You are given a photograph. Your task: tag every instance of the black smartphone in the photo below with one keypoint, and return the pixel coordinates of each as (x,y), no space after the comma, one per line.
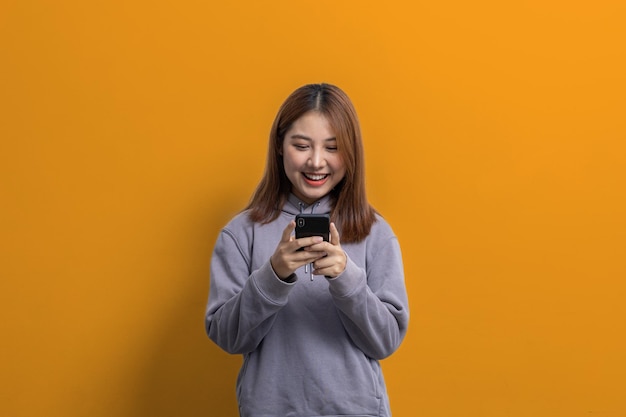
(308,225)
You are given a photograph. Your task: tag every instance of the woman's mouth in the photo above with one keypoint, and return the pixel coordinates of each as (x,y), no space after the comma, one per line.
(315,179)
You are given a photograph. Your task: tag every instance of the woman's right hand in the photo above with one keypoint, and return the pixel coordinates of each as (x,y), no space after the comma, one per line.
(287,258)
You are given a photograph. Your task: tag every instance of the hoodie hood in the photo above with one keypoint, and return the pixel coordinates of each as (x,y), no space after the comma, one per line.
(295,206)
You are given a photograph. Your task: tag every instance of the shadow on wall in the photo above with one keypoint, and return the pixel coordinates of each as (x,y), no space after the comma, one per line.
(186,374)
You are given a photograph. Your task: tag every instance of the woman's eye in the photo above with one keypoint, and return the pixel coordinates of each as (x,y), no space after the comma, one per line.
(301,147)
(332,148)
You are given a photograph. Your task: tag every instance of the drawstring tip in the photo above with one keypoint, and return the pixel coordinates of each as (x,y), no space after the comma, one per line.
(306,269)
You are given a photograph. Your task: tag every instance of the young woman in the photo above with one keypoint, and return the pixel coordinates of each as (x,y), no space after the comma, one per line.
(311,324)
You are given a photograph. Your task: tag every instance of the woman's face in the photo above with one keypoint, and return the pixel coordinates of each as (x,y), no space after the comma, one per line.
(310,157)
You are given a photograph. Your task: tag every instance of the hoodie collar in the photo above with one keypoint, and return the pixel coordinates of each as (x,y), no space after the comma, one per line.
(295,206)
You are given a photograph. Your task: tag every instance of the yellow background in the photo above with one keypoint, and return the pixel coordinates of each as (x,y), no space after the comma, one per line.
(131,131)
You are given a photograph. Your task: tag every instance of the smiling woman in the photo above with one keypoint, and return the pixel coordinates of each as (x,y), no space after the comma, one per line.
(310,103)
(310,347)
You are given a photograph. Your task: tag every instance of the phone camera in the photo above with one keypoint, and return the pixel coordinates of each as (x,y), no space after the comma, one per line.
(300,222)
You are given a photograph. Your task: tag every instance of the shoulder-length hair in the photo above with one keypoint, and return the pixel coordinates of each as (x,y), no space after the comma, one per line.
(350,209)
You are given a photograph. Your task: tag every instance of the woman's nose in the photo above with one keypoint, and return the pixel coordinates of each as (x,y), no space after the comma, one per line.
(316,160)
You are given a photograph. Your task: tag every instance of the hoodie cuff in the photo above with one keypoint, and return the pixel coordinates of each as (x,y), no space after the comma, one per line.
(346,283)
(272,287)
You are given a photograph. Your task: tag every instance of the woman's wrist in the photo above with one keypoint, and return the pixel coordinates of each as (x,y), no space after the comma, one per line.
(282,275)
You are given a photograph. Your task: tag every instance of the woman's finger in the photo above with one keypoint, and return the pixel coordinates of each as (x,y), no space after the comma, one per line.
(334,234)
(286,237)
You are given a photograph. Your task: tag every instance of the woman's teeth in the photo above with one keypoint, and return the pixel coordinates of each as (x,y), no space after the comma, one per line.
(316,177)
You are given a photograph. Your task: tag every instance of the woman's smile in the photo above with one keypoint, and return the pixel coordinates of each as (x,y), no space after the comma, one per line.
(315,179)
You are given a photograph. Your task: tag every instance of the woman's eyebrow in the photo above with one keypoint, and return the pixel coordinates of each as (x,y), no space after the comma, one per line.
(299,136)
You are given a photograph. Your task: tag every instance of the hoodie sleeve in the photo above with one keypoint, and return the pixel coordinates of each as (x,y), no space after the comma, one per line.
(242,304)
(373,303)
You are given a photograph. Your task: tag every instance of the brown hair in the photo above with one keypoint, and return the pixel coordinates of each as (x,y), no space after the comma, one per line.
(351,211)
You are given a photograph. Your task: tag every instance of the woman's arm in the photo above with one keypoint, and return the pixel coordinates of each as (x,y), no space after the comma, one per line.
(242,304)
(373,304)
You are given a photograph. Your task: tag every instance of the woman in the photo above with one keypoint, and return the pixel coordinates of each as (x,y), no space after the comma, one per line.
(311,324)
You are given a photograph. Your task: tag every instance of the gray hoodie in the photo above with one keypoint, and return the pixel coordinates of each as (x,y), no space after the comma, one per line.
(310,347)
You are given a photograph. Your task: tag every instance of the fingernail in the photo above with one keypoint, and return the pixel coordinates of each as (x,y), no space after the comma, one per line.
(317,239)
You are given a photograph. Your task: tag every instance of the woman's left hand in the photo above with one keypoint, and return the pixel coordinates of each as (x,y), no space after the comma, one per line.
(334,263)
